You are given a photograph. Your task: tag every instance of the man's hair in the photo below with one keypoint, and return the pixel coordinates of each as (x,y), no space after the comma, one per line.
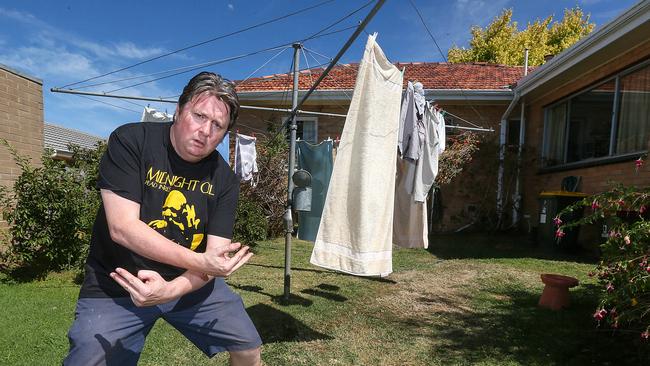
(217,86)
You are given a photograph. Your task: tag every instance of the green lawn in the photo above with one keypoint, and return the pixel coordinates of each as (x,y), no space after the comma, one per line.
(470,300)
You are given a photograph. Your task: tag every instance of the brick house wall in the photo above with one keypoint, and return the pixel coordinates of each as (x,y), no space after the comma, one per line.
(21,121)
(595,179)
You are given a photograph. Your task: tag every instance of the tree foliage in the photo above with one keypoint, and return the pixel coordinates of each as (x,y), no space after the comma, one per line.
(501,42)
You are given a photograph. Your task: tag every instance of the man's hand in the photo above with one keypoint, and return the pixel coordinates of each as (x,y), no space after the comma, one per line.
(148,289)
(218,259)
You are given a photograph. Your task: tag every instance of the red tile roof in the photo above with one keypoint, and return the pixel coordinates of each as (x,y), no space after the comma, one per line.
(433,75)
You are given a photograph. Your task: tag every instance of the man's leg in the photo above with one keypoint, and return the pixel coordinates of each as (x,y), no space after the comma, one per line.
(108,332)
(215,320)
(249,357)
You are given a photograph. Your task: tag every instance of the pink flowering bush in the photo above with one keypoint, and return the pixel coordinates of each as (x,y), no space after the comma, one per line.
(624,268)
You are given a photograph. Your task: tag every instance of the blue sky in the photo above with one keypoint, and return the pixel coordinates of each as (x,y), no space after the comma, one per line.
(63,42)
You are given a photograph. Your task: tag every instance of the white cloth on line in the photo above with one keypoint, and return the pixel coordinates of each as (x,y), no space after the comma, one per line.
(411,129)
(152,115)
(245,157)
(410,229)
(355,232)
(423,173)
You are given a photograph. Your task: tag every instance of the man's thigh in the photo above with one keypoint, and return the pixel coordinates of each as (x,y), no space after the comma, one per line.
(214,319)
(109,331)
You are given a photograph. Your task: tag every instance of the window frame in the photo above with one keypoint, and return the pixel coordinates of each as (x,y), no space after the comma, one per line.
(304,119)
(612,157)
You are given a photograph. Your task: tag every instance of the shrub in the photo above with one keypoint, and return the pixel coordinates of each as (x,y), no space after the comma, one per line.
(624,269)
(269,194)
(50,211)
(250,223)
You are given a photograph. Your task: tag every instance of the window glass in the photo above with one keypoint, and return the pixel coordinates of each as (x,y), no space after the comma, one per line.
(590,123)
(555,134)
(634,113)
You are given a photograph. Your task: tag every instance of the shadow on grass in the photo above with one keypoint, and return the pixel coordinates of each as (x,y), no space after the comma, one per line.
(275,326)
(510,326)
(490,245)
(292,300)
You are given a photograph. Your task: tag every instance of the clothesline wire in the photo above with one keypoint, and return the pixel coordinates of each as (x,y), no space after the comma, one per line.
(212,63)
(190,68)
(205,42)
(264,64)
(311,81)
(441,53)
(110,104)
(208,63)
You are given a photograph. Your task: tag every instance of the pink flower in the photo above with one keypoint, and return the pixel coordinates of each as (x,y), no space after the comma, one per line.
(557,221)
(645,335)
(648,269)
(600,314)
(559,234)
(595,205)
(638,162)
(613,313)
(610,287)
(620,203)
(627,240)
(642,209)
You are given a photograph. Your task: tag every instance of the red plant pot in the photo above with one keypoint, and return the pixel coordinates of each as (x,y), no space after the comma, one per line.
(556,292)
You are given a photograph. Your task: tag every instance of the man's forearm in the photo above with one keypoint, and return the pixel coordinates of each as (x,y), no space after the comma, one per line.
(190,281)
(147,242)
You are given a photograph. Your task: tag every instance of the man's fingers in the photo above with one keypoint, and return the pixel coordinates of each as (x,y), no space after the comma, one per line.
(241,262)
(130,282)
(225,249)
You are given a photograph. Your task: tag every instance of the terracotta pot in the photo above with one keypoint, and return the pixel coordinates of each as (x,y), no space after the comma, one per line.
(556,292)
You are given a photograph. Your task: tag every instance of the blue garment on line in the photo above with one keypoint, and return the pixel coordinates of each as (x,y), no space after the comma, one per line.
(317,160)
(224,148)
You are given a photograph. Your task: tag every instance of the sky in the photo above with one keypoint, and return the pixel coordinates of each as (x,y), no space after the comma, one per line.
(68,41)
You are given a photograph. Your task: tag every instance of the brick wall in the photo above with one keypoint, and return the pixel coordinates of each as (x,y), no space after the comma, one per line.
(594,179)
(21,121)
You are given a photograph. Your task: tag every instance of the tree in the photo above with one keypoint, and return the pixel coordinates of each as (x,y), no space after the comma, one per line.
(502,43)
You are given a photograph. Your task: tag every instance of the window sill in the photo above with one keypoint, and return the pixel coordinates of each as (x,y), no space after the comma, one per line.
(591,162)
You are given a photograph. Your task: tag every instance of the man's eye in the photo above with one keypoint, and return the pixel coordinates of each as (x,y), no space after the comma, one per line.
(200,116)
(216,125)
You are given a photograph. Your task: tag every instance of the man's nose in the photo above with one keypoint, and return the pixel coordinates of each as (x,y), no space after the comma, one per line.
(206,128)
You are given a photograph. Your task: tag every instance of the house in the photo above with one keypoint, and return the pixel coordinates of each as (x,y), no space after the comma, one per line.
(477,92)
(21,120)
(587,113)
(58,139)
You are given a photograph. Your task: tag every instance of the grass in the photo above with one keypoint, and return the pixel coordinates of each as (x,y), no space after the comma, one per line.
(470,300)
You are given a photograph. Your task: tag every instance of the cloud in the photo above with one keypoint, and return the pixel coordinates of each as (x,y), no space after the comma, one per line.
(231,7)
(116,50)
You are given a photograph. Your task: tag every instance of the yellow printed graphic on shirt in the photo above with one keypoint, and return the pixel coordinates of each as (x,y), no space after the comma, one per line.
(179,220)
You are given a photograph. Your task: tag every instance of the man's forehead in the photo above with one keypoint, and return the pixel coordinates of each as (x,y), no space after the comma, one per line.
(200,99)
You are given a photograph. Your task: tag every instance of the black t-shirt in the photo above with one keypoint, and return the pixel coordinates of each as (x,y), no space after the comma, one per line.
(183,201)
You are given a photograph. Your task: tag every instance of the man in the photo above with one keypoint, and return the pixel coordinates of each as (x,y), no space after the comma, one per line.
(161,242)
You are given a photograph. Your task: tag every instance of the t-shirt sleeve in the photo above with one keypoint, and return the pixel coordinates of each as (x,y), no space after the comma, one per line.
(119,168)
(222,212)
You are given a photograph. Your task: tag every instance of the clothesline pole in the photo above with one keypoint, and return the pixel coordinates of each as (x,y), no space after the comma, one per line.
(288,222)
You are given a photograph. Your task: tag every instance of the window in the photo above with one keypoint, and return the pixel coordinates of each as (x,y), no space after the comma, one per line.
(610,119)
(307,129)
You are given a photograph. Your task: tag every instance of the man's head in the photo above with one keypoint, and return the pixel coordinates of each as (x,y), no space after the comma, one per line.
(206,110)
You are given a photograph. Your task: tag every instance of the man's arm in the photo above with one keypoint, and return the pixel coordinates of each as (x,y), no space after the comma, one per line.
(125,228)
(149,288)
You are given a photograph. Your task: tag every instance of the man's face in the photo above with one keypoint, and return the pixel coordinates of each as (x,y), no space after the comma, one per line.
(199,127)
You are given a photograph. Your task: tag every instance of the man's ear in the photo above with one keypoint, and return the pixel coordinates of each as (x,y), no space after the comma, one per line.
(175,114)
